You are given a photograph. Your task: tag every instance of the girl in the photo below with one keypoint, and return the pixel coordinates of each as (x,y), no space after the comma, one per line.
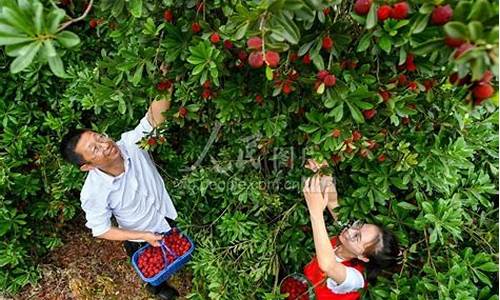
(345,263)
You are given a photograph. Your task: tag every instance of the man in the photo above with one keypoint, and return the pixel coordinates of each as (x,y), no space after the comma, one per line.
(123,182)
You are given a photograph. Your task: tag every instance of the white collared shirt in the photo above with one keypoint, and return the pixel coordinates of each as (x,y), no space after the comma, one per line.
(354,280)
(137,198)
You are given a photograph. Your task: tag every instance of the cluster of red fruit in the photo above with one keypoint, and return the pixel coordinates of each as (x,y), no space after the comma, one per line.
(151,261)
(93,23)
(159,140)
(398,11)
(324,77)
(294,288)
(207,90)
(257,58)
(286,85)
(481,89)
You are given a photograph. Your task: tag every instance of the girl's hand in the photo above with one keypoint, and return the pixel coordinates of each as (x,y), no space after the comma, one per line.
(314,166)
(329,191)
(316,201)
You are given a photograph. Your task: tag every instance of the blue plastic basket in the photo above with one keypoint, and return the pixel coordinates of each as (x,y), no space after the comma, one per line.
(170,269)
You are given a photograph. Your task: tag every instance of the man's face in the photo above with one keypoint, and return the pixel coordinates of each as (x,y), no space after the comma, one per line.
(97,150)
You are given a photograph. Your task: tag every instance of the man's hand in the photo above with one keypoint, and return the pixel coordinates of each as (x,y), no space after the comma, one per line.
(152,238)
(316,201)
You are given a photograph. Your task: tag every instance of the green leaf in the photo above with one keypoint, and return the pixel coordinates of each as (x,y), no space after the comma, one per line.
(426,8)
(269,73)
(489,267)
(38,17)
(13,40)
(321,89)
(428,46)
(67,39)
(138,74)
(308,128)
(54,19)
(23,61)
(49,48)
(356,113)
(117,7)
(371,18)
(461,11)
(456,30)
(407,206)
(56,66)
(385,44)
(242,30)
(420,24)
(304,48)
(492,37)
(135,7)
(17,49)
(364,42)
(338,112)
(17,20)
(481,11)
(475,30)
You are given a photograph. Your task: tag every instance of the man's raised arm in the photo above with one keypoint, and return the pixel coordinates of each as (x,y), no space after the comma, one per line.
(157,108)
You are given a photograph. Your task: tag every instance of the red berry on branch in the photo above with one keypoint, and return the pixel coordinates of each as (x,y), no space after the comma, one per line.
(196,27)
(326,11)
(400,10)
(412,85)
(322,74)
(228,44)
(151,141)
(482,91)
(164,85)
(487,77)
(293,57)
(330,80)
(168,15)
(441,14)
(327,43)
(254,43)
(356,136)
(306,59)
(386,95)
(465,47)
(369,113)
(256,59)
(384,12)
(336,133)
(362,7)
(93,23)
(215,38)
(183,111)
(287,89)
(259,99)
(272,59)
(199,7)
(207,93)
(336,158)
(381,157)
(454,43)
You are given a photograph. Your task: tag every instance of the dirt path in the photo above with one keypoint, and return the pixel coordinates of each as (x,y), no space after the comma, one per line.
(89,268)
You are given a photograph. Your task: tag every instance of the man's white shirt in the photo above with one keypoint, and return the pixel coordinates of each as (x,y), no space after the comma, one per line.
(137,198)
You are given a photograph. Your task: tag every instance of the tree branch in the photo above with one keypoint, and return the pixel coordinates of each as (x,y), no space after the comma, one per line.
(85,13)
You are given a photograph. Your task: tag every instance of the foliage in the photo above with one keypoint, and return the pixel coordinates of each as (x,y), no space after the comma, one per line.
(424,165)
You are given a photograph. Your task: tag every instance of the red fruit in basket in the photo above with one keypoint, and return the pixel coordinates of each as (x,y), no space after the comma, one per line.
(362,7)
(384,12)
(441,14)
(400,10)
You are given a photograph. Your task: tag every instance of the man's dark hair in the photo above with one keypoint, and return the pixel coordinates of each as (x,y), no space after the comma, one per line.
(68,145)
